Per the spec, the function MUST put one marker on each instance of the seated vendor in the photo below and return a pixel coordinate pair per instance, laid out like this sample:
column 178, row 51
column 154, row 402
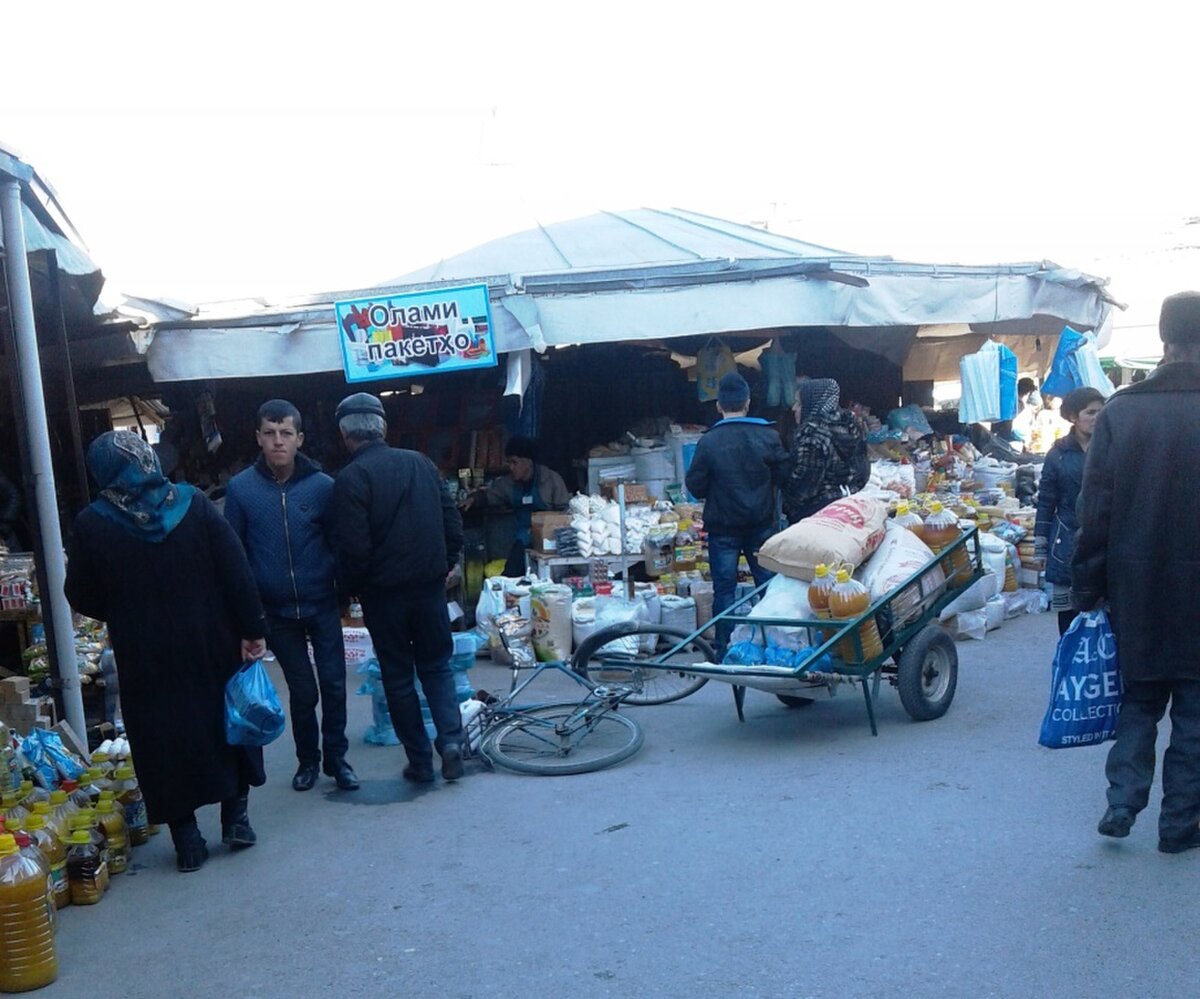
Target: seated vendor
column 526, row 489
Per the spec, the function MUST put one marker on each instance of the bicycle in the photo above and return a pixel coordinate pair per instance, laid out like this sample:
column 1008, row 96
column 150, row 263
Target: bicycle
column 554, row 739
column 656, row 678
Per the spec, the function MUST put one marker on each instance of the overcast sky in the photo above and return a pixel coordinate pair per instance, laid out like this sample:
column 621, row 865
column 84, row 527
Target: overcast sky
column 236, row 151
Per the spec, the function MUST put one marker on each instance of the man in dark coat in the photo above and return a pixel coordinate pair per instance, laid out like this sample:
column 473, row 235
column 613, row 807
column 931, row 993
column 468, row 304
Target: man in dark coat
column 280, row 509
column 1137, row 550
column 737, row 469
column 397, row 535
column 158, row 564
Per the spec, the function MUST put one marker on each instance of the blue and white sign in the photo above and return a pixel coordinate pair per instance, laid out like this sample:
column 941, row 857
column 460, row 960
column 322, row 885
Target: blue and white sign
column 416, row 334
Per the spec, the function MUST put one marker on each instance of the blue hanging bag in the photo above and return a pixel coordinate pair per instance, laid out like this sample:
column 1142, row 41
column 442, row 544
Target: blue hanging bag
column 253, row 714
column 1085, row 694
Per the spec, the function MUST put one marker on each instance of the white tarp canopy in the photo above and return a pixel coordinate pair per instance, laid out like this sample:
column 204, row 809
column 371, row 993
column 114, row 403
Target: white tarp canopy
column 647, row 275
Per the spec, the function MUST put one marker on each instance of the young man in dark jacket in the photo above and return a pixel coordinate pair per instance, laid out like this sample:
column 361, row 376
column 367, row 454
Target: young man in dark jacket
column 398, row 534
column 1136, row 550
column 280, row 509
column 737, row 469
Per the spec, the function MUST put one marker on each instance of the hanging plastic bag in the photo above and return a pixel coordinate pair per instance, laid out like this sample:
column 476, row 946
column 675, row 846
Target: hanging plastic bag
column 253, row 714
column 1085, row 693
column 1076, row 364
column 1008, row 382
column 980, row 374
column 1091, row 373
column 713, row 363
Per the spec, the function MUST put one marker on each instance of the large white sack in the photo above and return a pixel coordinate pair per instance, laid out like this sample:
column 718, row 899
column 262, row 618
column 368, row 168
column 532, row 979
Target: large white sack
column 899, row 557
column 783, row 598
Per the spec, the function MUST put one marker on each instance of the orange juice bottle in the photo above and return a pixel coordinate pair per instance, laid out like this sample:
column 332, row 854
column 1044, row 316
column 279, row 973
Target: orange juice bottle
column 83, row 868
column 27, row 957
column 849, row 598
column 129, row 797
column 56, row 857
column 112, row 824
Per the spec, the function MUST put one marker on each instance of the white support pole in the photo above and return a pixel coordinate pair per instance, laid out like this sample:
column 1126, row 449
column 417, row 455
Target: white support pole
column 20, row 300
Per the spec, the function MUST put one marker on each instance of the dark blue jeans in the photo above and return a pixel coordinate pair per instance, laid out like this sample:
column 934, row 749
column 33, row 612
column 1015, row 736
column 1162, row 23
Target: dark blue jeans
column 288, row 639
column 723, row 553
column 411, row 635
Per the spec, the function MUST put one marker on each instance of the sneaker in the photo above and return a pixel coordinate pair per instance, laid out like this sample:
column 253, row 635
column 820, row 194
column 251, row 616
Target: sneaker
column 1189, row 842
column 1117, row 822
column 452, row 762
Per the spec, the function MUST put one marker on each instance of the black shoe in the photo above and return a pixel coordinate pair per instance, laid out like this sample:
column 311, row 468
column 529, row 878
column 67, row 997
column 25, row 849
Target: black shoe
column 419, row 775
column 306, row 777
column 190, row 849
column 452, row 762
column 236, row 832
column 343, row 773
column 1117, row 822
column 1189, row 842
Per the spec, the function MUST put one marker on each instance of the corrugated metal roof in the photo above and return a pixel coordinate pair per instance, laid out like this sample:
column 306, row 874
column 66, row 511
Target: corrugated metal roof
column 638, row 237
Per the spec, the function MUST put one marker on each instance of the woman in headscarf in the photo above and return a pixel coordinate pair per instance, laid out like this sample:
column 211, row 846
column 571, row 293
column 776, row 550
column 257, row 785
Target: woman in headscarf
column 829, row 451
column 159, row 564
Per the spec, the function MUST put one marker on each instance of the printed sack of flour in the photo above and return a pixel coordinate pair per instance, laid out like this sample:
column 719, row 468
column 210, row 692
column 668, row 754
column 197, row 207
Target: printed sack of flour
column 1085, row 693
column 900, row 557
column 846, row 531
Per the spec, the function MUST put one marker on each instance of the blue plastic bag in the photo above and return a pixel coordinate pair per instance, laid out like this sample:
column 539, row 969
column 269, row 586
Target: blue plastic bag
column 253, row 714
column 1085, row 694
column 1064, row 373
column 1008, row 383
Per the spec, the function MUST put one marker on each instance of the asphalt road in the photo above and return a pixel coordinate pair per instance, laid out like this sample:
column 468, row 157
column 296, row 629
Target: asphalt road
column 793, row 855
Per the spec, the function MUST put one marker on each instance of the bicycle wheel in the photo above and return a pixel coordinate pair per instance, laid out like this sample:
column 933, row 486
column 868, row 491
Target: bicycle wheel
column 540, row 741
column 659, row 684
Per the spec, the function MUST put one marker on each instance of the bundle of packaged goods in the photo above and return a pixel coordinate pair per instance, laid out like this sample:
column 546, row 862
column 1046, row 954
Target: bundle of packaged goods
column 67, row 827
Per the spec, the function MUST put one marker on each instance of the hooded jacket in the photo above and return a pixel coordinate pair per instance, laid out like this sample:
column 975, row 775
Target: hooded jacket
column 286, row 529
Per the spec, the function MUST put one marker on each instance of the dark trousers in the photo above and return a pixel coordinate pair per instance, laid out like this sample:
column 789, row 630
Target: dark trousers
column 288, row 639
column 411, row 635
column 724, row 550
column 1130, row 766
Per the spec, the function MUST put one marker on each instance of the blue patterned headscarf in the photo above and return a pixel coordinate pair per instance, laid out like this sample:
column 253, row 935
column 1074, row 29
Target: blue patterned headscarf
column 134, row 493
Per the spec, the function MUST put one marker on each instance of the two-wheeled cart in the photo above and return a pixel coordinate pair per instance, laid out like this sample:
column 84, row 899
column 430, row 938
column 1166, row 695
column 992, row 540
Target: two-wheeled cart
column 916, row 655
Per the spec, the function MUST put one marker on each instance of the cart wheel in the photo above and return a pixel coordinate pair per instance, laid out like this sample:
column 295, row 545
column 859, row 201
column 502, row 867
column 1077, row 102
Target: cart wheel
column 927, row 674
column 795, row 702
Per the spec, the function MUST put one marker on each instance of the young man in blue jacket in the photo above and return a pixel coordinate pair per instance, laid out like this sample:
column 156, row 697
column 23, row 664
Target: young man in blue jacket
column 280, row 508
column 737, row 469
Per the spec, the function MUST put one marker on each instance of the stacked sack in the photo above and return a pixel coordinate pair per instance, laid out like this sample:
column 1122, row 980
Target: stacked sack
column 597, row 525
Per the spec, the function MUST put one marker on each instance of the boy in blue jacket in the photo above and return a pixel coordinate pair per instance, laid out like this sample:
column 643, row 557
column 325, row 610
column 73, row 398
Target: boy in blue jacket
column 280, row 509
column 737, row 469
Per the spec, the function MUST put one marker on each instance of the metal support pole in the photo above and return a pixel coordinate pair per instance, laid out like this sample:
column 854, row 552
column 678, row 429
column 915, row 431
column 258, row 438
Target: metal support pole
column 20, row 301
column 72, row 403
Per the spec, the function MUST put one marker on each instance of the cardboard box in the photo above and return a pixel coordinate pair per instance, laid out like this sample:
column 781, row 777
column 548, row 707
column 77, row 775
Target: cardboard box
column 545, row 523
column 634, row 492
column 1030, row 578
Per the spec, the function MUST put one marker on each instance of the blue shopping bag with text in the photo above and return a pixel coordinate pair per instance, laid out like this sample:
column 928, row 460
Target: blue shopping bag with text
column 253, row 714
column 1085, row 693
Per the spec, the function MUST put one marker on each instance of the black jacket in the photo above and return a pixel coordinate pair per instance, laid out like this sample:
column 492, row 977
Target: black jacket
column 1139, row 538
column 395, row 526
column 1062, row 478
column 827, row 455
column 738, row 465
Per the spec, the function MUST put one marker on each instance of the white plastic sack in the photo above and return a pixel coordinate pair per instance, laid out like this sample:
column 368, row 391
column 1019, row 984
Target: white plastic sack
column 996, row 612
column 783, row 598
column 679, row 613
column 901, row 556
column 970, row 624
column 980, row 374
column 1090, row 369
column 995, row 556
column 614, row 610
column 975, row 597
column 551, row 605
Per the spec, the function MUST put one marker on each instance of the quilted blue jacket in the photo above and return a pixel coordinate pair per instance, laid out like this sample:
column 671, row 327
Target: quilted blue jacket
column 285, row 530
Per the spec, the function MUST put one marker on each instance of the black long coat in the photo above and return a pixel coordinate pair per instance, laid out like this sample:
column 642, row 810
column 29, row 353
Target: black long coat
column 1139, row 539
column 176, row 612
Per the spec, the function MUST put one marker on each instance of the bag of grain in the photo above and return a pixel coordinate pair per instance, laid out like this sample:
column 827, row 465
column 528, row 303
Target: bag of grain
column 846, row 531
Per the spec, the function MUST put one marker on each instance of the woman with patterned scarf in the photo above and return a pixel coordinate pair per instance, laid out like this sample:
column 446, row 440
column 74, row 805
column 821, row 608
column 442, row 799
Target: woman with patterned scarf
column 159, row 564
column 829, row 451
